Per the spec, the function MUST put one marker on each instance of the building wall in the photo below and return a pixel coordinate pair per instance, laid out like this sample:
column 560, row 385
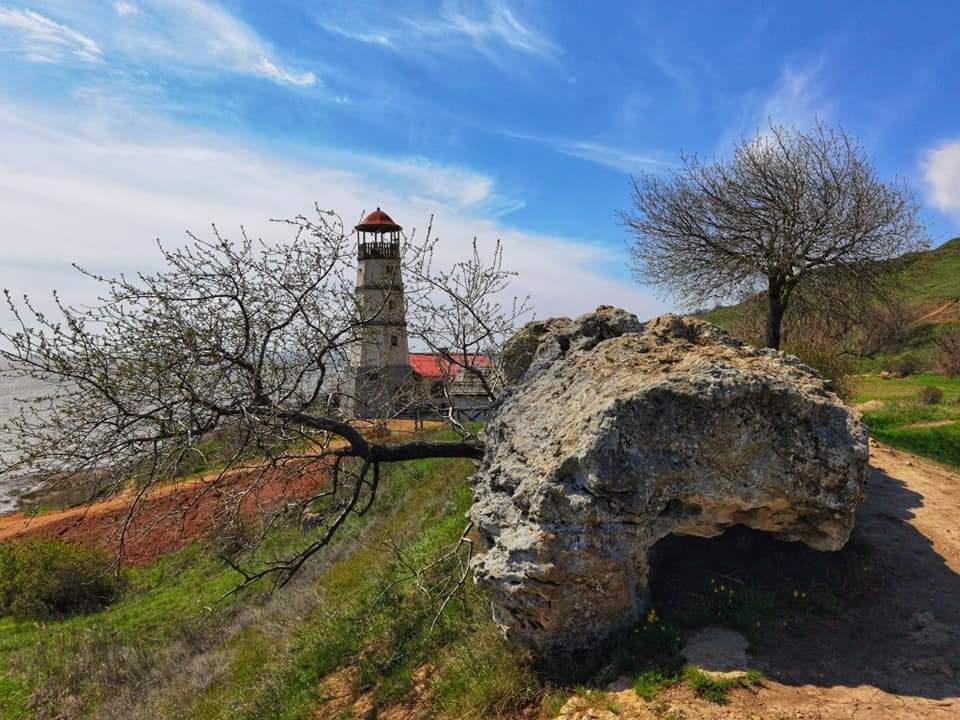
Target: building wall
column 380, row 361
column 380, row 297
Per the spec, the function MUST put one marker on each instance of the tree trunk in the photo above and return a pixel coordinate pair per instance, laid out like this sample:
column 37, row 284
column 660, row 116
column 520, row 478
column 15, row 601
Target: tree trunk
column 776, row 305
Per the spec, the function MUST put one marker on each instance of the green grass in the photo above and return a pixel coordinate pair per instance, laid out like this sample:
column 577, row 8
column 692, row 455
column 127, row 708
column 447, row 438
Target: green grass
column 158, row 650
column 651, row 682
column 873, row 387
column 935, row 274
column 156, row 653
column 928, row 279
column 903, row 421
column 717, row 689
column 385, row 634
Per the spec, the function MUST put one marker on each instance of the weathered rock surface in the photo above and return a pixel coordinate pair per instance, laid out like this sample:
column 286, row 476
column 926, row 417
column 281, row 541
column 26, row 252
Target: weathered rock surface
column 717, row 652
column 618, row 433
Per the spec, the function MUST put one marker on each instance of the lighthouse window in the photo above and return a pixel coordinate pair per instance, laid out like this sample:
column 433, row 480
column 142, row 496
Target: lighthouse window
column 392, row 304
column 394, row 340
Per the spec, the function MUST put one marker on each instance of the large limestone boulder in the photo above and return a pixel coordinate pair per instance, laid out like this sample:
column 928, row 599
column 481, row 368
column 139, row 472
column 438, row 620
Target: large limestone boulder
column 617, row 433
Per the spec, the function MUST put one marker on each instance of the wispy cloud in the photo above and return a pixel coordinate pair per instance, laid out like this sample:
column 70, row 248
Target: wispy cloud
column 797, row 99
column 941, row 173
column 610, row 155
column 198, row 33
column 125, row 8
column 175, row 36
column 371, row 38
column 101, row 196
column 613, row 157
column 37, row 38
column 489, row 28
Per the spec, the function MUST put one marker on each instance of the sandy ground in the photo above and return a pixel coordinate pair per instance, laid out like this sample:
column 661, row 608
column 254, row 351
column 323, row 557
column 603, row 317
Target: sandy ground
column 896, row 657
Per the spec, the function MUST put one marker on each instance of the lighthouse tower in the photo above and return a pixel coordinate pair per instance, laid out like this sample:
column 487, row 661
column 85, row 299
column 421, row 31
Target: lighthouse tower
column 381, row 362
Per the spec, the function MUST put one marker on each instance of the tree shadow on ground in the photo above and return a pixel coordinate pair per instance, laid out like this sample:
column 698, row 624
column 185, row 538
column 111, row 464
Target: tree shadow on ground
column 884, row 611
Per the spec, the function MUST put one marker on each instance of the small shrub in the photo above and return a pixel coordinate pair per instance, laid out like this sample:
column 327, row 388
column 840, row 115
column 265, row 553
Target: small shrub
column 649, row 683
column 717, row 690
column 948, row 357
column 930, row 395
column 552, row 703
column 886, row 327
column 44, row 578
column 902, row 366
column 829, row 360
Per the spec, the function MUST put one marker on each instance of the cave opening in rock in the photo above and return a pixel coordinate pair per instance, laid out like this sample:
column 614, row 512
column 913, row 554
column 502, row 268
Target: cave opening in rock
column 753, row 582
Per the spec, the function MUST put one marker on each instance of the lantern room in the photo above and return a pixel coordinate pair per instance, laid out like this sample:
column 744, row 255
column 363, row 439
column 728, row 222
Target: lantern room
column 378, row 236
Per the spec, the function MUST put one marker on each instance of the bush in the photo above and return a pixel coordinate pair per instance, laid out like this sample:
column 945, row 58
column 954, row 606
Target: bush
column 885, row 328
column 930, row 395
column 902, row 366
column 46, row 577
column 829, row 360
column 948, row 357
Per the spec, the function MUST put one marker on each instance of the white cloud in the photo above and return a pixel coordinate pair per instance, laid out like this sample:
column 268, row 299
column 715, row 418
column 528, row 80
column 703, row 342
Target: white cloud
column 616, row 157
column 125, row 8
column 490, row 28
column 100, row 191
column 370, row 38
column 797, row 99
column 451, row 186
column 613, row 157
column 268, row 69
column 498, row 26
column 179, row 36
column 200, row 33
column 941, row 172
column 37, row 38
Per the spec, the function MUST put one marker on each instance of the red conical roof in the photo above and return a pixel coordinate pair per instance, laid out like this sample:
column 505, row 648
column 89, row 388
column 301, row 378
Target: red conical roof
column 378, row 222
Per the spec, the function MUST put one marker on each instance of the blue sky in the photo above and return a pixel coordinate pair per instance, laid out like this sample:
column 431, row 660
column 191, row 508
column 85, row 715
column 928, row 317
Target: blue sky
column 122, row 121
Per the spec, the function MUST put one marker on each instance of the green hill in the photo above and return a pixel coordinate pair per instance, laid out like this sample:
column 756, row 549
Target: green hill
column 930, row 290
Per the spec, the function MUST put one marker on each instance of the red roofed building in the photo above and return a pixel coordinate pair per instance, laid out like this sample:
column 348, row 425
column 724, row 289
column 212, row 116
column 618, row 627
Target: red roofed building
column 387, row 378
column 451, row 380
column 433, row 366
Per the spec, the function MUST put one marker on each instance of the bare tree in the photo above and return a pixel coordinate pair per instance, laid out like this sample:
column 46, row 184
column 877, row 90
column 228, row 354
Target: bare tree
column 948, row 357
column 246, row 338
column 886, row 326
column 787, row 210
column 456, row 314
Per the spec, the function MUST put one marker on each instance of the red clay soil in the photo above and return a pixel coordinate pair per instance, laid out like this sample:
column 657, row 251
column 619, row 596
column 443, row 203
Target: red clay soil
column 172, row 515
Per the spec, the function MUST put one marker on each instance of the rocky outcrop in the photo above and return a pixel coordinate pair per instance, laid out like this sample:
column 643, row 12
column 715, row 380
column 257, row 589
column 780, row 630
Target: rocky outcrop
column 617, row 433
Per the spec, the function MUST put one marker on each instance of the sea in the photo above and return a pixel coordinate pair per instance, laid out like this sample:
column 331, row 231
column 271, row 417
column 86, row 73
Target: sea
column 10, row 390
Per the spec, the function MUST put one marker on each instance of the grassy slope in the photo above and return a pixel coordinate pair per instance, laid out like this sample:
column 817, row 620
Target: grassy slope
column 904, row 421
column 154, row 654
column 930, row 278
column 937, row 273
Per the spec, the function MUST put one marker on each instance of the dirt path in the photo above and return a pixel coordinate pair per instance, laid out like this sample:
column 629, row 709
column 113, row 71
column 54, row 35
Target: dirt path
column 897, row 655
column 931, row 423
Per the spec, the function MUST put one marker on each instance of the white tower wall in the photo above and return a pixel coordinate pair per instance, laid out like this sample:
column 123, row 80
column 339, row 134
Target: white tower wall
column 381, row 360
column 380, row 299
